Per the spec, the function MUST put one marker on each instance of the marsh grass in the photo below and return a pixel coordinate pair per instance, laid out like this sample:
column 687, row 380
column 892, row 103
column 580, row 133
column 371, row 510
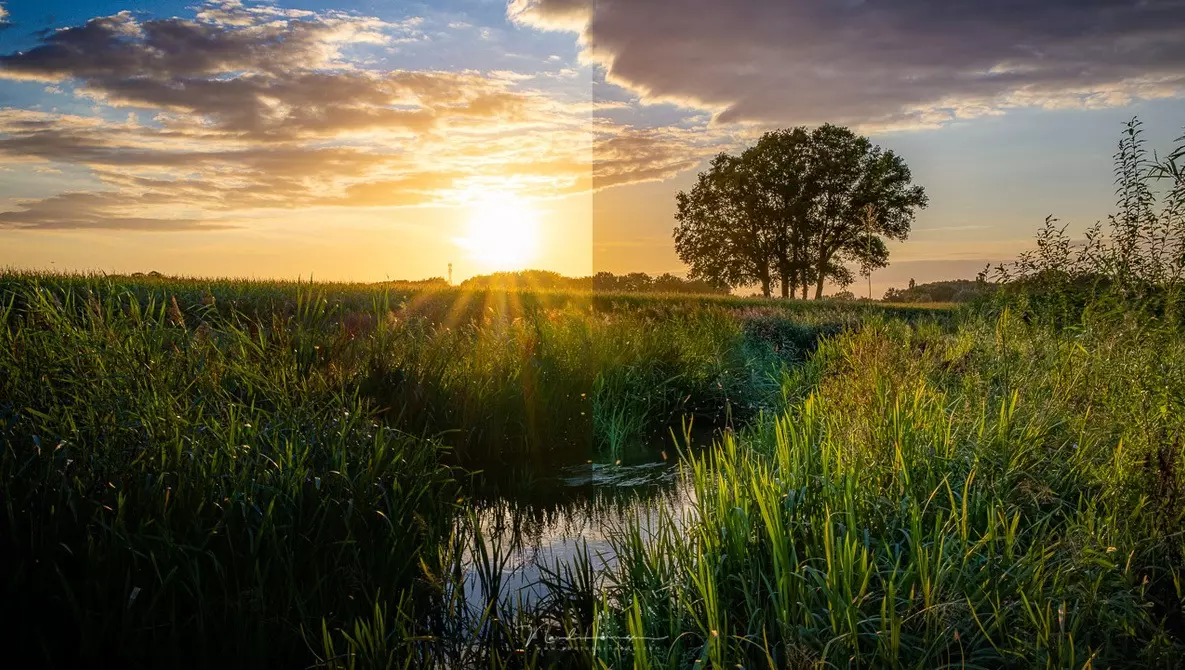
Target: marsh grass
column 197, row 473
column 184, row 462
column 1001, row 495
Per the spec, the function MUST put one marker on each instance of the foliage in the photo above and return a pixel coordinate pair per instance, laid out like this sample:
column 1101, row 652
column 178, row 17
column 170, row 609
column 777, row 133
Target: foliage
column 202, row 473
column 193, row 471
column 168, row 480
column 955, row 290
column 794, row 208
column 640, row 282
column 718, row 235
column 866, row 194
column 1139, row 257
column 634, row 282
column 1002, row 495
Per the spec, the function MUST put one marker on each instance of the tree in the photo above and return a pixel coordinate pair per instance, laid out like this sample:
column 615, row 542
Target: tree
column 668, row 283
column 635, row 282
column 720, row 233
column 793, row 208
column 850, row 173
column 604, row 281
column 779, row 167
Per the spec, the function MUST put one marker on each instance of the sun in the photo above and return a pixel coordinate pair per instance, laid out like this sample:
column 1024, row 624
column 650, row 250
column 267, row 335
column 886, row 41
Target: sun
column 503, row 232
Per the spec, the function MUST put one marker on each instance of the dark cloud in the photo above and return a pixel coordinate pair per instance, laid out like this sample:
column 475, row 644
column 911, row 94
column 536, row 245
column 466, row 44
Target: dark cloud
column 120, row 46
column 104, row 210
column 877, row 62
column 259, row 75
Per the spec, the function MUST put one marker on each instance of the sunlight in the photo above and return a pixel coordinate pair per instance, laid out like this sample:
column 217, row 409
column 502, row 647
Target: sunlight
column 503, row 232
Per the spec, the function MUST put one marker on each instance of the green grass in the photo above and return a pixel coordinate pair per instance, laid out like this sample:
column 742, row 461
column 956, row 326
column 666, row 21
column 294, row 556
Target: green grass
column 204, row 472
column 1001, row 495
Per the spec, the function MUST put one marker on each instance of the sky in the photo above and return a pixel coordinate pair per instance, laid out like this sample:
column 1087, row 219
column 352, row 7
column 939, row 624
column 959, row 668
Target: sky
column 366, row 140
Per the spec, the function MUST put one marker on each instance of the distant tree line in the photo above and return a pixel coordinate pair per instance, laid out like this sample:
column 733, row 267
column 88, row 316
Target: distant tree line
column 430, row 282
column 640, row 282
column 795, row 209
column 955, row 290
column 634, row 282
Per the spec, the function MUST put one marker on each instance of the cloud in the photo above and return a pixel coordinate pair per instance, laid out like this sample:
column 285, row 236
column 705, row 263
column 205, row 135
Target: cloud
column 907, row 63
column 93, row 211
column 245, row 108
column 3, row 15
column 261, row 73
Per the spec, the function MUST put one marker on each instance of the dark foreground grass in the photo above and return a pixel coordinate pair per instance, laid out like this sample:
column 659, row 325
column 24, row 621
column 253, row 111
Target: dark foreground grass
column 187, row 479
column 258, row 477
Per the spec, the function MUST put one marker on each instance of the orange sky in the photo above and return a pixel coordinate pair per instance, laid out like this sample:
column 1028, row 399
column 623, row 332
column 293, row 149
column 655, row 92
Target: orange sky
column 345, row 141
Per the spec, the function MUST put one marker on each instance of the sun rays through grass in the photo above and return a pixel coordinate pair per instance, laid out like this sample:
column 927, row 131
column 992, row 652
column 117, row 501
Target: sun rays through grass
column 199, row 471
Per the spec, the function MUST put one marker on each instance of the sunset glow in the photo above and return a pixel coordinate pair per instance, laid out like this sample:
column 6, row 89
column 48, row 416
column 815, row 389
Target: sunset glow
column 503, row 233
column 287, row 139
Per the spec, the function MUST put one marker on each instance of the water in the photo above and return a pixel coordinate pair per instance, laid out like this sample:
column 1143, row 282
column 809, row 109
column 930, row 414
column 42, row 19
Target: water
column 559, row 516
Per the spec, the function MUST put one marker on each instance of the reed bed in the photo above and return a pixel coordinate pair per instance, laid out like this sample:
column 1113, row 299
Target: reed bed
column 197, row 473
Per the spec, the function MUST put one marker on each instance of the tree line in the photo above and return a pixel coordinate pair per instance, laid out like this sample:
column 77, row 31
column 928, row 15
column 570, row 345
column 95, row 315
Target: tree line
column 951, row 290
column 795, row 209
column 633, row 282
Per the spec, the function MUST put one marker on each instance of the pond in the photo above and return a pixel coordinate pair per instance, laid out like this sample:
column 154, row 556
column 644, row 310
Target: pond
column 560, row 517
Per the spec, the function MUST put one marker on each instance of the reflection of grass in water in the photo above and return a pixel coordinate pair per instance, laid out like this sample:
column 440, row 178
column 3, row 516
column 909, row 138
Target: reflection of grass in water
column 584, row 504
column 198, row 470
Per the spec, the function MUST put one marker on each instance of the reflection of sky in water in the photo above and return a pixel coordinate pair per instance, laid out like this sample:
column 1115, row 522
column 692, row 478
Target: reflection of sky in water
column 577, row 508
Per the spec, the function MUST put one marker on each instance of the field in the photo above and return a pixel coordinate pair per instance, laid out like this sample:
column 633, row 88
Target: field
column 274, row 474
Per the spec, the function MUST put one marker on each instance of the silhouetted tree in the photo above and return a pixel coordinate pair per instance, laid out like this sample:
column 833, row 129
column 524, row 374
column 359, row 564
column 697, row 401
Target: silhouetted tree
column 792, row 208
column 720, row 233
column 849, row 173
column 604, row 281
column 634, row 282
column 784, row 190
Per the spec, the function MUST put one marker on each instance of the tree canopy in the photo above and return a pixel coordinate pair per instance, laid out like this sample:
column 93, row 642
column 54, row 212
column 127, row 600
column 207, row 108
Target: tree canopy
column 794, row 209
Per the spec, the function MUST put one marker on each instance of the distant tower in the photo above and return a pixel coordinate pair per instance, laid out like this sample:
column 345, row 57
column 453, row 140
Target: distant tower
column 450, row 274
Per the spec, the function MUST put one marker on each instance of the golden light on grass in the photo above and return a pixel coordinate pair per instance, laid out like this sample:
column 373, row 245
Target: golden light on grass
column 502, row 233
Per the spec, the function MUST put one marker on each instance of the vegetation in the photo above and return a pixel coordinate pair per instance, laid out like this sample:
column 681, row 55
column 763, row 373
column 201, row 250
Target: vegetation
column 793, row 208
column 955, row 290
column 1141, row 252
column 634, row 282
column 198, row 473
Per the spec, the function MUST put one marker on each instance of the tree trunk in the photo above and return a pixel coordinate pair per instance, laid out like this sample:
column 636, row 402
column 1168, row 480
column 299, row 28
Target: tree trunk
column 765, row 289
column 820, row 278
column 785, row 287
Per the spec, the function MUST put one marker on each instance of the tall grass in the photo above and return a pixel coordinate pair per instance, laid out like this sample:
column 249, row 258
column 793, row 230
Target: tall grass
column 192, row 471
column 164, row 487
column 1003, row 495
column 188, row 481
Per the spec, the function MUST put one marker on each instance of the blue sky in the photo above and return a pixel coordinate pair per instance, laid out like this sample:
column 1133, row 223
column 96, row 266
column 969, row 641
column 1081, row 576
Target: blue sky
column 363, row 140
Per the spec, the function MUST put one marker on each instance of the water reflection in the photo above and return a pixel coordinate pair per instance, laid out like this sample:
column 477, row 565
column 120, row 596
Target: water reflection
column 558, row 518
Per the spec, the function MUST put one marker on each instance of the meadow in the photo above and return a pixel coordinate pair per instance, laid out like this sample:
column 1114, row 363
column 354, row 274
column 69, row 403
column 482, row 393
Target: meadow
column 199, row 472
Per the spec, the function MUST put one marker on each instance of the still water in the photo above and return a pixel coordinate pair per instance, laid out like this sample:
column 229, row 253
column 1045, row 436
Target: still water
column 559, row 516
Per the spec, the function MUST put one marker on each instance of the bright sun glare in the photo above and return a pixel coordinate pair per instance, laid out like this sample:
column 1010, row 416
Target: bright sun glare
column 503, row 233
